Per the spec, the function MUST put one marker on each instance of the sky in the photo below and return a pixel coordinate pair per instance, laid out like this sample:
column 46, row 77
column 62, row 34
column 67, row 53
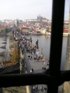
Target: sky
column 28, row 9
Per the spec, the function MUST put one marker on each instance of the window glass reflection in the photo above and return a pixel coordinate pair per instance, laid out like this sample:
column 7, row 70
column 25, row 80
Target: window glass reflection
column 66, row 39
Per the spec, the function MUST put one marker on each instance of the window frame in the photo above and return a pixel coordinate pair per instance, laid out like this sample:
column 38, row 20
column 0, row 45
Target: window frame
column 53, row 77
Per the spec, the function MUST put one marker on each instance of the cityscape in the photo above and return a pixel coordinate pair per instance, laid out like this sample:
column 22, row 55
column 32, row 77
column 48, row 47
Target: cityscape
column 25, row 33
column 40, row 25
column 21, row 49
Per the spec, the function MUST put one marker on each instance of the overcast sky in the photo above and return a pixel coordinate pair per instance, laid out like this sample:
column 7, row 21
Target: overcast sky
column 27, row 9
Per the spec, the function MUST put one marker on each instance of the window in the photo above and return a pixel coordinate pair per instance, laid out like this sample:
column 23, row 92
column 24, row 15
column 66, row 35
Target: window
column 31, row 30
column 65, row 45
column 53, row 77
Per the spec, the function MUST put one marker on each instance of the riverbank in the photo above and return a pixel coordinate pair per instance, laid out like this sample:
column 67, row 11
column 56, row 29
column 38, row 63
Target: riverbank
column 42, row 34
column 49, row 34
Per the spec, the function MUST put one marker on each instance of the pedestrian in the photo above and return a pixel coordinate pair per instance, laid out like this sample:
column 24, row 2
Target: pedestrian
column 37, row 45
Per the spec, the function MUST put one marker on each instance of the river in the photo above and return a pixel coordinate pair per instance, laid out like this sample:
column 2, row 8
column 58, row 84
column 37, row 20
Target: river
column 44, row 44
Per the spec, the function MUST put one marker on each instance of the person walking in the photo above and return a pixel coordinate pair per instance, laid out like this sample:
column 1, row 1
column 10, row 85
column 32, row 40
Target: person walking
column 37, row 45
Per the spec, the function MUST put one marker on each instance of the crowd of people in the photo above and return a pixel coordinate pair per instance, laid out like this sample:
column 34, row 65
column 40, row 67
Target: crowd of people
column 31, row 48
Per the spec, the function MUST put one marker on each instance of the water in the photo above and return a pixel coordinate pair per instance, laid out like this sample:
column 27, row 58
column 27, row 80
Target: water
column 4, row 49
column 44, row 43
column 64, row 51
